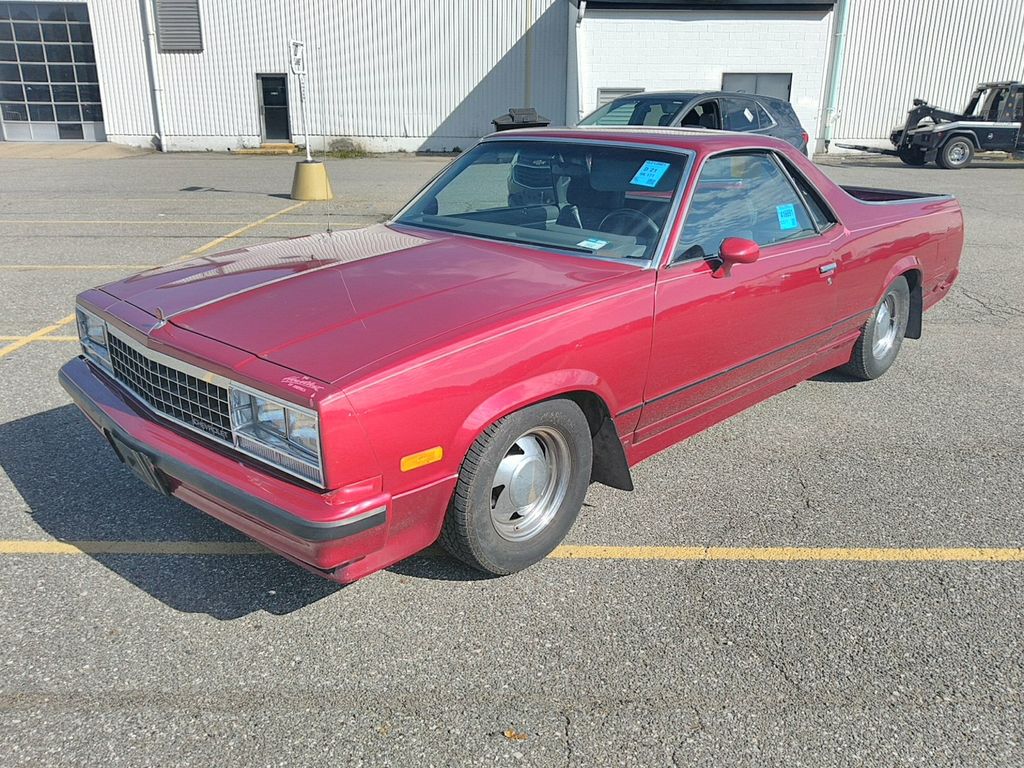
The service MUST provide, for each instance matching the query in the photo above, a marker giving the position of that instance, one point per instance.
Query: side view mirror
(735, 250)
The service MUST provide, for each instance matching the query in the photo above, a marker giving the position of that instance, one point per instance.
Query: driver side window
(741, 195)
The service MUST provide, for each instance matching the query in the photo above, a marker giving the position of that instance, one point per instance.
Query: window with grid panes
(49, 86)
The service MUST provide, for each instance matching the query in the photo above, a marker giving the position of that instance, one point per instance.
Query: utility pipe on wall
(154, 73)
(836, 75)
(573, 70)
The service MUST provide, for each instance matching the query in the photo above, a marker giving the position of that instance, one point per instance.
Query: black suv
(717, 110)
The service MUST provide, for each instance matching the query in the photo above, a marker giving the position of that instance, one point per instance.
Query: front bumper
(313, 528)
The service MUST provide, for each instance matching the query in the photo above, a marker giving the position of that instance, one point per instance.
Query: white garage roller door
(695, 50)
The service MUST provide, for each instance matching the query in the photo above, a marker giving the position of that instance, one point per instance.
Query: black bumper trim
(217, 489)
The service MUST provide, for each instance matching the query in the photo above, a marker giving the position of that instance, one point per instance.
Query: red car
(466, 370)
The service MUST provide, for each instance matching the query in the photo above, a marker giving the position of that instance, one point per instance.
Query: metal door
(274, 108)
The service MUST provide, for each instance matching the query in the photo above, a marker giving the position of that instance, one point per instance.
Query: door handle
(828, 269)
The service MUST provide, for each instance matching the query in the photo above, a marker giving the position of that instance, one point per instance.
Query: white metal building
(214, 74)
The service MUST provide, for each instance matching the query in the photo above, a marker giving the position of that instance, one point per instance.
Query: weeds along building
(431, 74)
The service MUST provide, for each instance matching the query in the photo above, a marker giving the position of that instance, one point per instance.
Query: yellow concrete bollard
(311, 182)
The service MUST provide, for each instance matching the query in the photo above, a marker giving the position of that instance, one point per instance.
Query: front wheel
(955, 153)
(882, 335)
(520, 488)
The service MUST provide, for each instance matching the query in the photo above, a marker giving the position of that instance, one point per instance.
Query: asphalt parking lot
(160, 637)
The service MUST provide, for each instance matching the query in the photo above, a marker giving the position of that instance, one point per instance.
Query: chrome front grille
(176, 394)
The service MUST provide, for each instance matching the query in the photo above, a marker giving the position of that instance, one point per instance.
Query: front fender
(523, 393)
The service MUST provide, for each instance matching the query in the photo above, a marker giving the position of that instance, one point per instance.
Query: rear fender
(906, 264)
(967, 134)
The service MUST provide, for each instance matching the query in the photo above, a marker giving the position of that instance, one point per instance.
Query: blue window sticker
(592, 243)
(650, 174)
(787, 216)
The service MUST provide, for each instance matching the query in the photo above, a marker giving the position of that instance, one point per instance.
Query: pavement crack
(568, 740)
(991, 307)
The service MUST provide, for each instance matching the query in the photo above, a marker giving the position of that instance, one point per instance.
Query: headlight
(92, 332)
(277, 432)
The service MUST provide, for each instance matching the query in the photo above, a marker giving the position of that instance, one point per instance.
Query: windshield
(643, 110)
(598, 200)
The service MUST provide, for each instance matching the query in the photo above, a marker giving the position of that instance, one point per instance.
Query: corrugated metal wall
(433, 73)
(937, 50)
(120, 46)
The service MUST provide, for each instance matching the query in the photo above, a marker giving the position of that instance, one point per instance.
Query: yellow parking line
(119, 222)
(793, 554)
(41, 338)
(25, 267)
(678, 554)
(240, 230)
(35, 336)
(201, 249)
(147, 222)
(131, 548)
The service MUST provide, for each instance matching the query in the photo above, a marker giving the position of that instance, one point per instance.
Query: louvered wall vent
(177, 26)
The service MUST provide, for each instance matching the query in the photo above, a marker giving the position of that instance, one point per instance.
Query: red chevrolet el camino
(556, 306)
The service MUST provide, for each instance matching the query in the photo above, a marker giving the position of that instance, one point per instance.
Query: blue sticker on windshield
(592, 243)
(650, 174)
(787, 216)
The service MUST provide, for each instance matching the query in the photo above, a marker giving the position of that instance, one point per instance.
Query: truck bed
(873, 195)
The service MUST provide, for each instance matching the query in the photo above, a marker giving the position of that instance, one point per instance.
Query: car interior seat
(707, 120)
(585, 206)
(691, 118)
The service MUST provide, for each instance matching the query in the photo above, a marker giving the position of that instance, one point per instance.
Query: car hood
(329, 304)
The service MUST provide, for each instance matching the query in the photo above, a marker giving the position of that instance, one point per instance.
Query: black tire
(912, 155)
(470, 532)
(956, 153)
(868, 360)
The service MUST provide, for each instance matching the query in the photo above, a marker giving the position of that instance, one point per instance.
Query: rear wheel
(520, 488)
(955, 153)
(882, 335)
(912, 155)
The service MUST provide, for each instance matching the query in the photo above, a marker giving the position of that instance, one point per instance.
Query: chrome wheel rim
(530, 484)
(958, 153)
(885, 327)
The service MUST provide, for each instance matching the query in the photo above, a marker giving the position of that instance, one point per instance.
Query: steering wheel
(641, 222)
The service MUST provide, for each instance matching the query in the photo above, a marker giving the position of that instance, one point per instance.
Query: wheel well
(610, 466)
(915, 321)
(964, 134)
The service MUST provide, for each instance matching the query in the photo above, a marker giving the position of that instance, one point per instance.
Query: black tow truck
(992, 121)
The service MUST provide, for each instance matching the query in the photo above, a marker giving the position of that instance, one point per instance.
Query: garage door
(49, 88)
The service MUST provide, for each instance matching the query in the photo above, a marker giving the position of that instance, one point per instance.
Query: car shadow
(435, 564)
(76, 490)
(836, 377)
(278, 195)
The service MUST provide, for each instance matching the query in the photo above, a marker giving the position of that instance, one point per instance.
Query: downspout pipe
(575, 30)
(154, 73)
(836, 75)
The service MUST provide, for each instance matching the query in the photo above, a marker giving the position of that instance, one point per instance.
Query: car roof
(699, 140)
(689, 95)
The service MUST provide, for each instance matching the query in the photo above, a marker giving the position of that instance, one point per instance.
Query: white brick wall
(690, 50)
